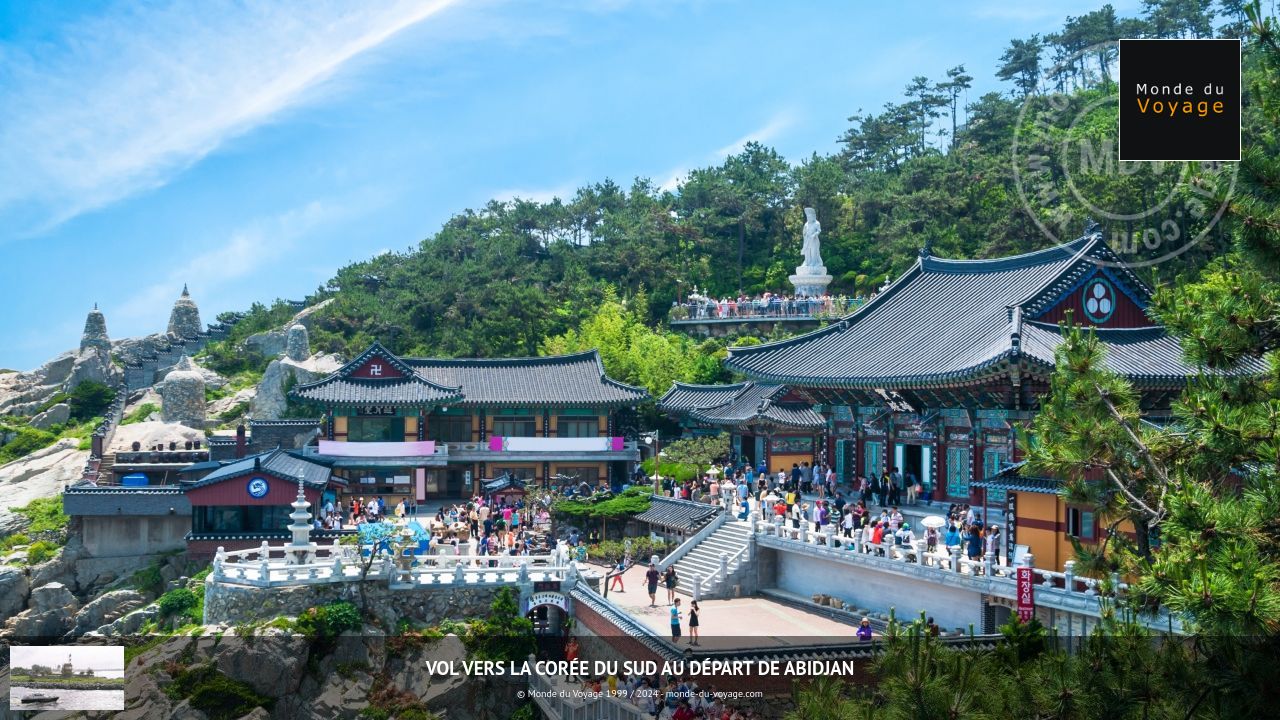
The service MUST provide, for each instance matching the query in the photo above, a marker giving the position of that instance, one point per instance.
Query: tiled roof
(673, 513)
(556, 380)
(83, 500)
(739, 405)
(341, 388)
(1011, 478)
(1140, 353)
(280, 463)
(683, 397)
(945, 321)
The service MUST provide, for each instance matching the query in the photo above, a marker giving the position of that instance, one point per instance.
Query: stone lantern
(300, 549)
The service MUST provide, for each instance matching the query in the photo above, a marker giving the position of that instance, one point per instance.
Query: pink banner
(495, 444)
(563, 445)
(377, 449)
(1026, 595)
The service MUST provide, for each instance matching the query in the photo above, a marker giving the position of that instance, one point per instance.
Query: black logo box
(1186, 69)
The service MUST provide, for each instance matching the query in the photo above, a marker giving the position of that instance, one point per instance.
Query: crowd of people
(748, 492)
(766, 305)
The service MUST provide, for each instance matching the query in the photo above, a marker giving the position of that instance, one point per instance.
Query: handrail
(717, 521)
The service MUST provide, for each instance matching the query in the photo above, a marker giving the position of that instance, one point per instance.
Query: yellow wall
(410, 429)
(784, 462)
(340, 428)
(1045, 544)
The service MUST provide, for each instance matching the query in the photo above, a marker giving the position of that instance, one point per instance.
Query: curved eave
(965, 376)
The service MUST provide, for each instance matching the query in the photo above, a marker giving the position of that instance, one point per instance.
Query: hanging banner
(1026, 595)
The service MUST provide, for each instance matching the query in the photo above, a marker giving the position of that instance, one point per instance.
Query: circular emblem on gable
(258, 487)
(1099, 300)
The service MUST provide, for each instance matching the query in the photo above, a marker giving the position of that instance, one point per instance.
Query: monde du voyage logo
(1180, 100)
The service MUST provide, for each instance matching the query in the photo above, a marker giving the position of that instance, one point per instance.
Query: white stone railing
(560, 700)
(944, 561)
(692, 541)
(284, 566)
(728, 565)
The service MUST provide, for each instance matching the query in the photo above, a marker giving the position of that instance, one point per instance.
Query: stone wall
(805, 575)
(108, 537)
(238, 604)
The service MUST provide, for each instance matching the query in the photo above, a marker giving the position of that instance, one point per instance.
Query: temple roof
(280, 463)
(674, 513)
(1012, 478)
(558, 380)
(740, 405)
(686, 396)
(947, 322)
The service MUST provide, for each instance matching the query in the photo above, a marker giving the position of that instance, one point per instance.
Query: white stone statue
(811, 278)
(812, 245)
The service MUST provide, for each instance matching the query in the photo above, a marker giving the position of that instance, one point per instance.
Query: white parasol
(934, 521)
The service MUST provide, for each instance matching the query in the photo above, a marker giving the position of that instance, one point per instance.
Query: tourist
(952, 539)
(618, 569)
(912, 487)
(669, 579)
(895, 486)
(932, 627)
(864, 630)
(864, 489)
(974, 550)
(652, 577)
(993, 542)
(831, 480)
(401, 510)
(895, 519)
(693, 623)
(846, 524)
(931, 539)
(905, 537)
(675, 621)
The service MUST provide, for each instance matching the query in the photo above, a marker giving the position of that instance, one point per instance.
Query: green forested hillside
(929, 170)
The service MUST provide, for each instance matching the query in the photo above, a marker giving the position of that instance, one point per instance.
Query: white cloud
(772, 128)
(129, 99)
(246, 251)
(564, 191)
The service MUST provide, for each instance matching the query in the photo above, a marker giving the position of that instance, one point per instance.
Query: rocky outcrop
(14, 588)
(226, 404)
(152, 433)
(183, 395)
(38, 475)
(107, 608)
(59, 414)
(50, 613)
(23, 393)
(271, 400)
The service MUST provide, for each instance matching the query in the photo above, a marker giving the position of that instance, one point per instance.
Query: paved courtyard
(735, 623)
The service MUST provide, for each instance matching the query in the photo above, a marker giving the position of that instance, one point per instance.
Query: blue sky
(252, 149)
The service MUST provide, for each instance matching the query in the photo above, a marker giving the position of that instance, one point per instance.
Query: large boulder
(226, 404)
(108, 608)
(270, 402)
(22, 393)
(52, 596)
(38, 475)
(57, 415)
(13, 591)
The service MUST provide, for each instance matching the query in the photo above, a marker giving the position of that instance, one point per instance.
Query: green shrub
(140, 413)
(216, 695)
(14, 540)
(26, 441)
(328, 621)
(177, 601)
(90, 398)
(44, 514)
(41, 551)
(148, 579)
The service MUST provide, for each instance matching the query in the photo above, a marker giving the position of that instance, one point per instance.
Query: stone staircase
(104, 468)
(704, 560)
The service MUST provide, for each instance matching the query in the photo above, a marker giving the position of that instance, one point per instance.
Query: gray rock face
(108, 608)
(38, 475)
(56, 415)
(183, 395)
(23, 393)
(184, 320)
(270, 343)
(95, 332)
(13, 591)
(298, 346)
(53, 596)
(270, 402)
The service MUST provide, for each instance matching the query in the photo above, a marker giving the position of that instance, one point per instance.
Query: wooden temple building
(941, 373)
(766, 422)
(418, 428)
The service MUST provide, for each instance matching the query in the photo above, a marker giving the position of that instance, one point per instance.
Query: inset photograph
(66, 677)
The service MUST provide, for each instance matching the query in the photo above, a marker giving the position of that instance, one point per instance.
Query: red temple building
(942, 372)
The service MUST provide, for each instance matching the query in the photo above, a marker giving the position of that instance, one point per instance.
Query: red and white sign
(1026, 595)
